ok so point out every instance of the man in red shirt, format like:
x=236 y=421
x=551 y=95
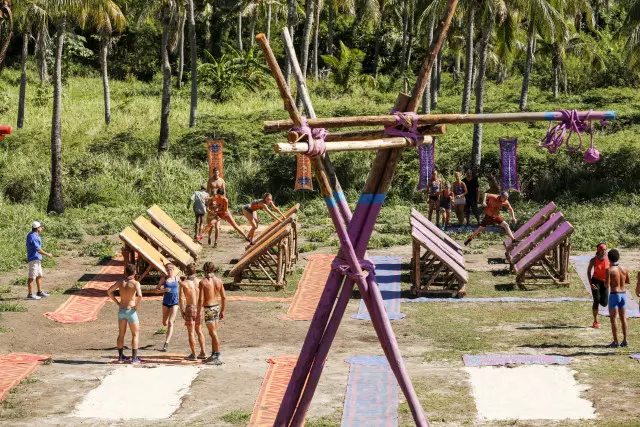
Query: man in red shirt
x=492 y=205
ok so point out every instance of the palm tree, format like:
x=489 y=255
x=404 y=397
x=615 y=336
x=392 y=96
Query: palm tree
x=56 y=202
x=181 y=49
x=543 y=18
x=316 y=26
x=193 y=112
x=346 y=6
x=6 y=29
x=631 y=29
x=105 y=17
x=30 y=16
x=291 y=21
x=306 y=39
x=168 y=13
x=470 y=17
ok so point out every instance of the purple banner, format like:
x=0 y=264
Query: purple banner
x=426 y=154
x=508 y=149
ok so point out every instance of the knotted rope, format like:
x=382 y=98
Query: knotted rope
x=409 y=127
x=340 y=266
x=315 y=138
x=569 y=124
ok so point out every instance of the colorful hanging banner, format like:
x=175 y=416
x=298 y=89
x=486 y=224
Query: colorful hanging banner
x=303 y=174
x=426 y=154
x=508 y=149
x=214 y=156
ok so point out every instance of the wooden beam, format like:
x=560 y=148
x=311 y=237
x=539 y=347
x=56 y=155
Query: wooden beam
x=373 y=144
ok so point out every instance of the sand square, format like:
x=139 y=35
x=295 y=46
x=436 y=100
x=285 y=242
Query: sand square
x=128 y=392
x=531 y=392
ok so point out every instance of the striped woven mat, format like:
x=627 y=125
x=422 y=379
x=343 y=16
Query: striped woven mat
x=310 y=288
x=272 y=391
x=15 y=367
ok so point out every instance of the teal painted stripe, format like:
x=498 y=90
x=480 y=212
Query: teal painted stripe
x=379 y=199
x=550 y=115
x=609 y=115
x=339 y=196
x=330 y=201
x=365 y=199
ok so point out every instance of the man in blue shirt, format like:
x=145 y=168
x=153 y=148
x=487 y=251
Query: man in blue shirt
x=34 y=259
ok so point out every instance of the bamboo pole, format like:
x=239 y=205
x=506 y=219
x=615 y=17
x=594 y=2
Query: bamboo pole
x=359 y=135
x=437 y=119
x=371 y=144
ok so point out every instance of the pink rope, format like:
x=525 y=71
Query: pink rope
x=409 y=123
x=315 y=138
x=561 y=133
x=340 y=266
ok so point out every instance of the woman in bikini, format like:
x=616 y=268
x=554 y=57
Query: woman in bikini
x=170 y=301
x=250 y=212
x=459 y=191
x=433 y=195
x=220 y=211
x=446 y=200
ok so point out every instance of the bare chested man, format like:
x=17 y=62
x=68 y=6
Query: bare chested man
x=215 y=183
x=617 y=280
x=213 y=301
x=130 y=298
x=188 y=300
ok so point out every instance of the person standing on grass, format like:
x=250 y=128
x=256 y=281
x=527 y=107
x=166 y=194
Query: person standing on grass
x=250 y=212
x=460 y=192
x=597 y=274
x=34 y=259
x=617 y=280
x=130 y=299
x=446 y=201
x=199 y=198
x=494 y=186
x=492 y=205
x=212 y=300
x=433 y=196
x=472 y=197
x=188 y=302
x=170 y=300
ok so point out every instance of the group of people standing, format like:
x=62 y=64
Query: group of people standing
x=197 y=300
x=211 y=200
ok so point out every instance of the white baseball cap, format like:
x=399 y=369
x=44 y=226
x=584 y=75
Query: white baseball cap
x=36 y=224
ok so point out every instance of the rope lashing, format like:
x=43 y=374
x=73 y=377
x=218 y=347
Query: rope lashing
x=315 y=138
x=409 y=127
x=340 y=266
x=561 y=133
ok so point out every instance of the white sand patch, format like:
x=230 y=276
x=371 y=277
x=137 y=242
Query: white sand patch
x=528 y=393
x=138 y=393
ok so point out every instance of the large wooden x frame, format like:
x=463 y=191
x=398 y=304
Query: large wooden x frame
x=354 y=232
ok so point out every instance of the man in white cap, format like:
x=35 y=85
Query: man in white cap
x=34 y=258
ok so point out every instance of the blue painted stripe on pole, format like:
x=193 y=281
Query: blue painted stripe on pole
x=365 y=199
x=331 y=202
x=379 y=199
x=550 y=115
x=339 y=196
x=609 y=115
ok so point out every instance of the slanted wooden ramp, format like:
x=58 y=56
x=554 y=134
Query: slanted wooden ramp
x=265 y=263
x=437 y=265
x=290 y=221
x=139 y=251
x=162 y=242
x=166 y=223
x=530 y=226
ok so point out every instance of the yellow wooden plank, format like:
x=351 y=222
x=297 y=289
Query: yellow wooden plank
x=162 y=240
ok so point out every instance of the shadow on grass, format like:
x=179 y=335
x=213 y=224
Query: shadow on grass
x=494 y=261
x=532 y=328
x=558 y=345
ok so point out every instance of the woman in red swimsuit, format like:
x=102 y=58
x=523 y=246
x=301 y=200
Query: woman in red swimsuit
x=218 y=211
x=250 y=212
x=597 y=274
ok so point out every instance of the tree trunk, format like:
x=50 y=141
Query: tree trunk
x=269 y=21
x=409 y=37
x=208 y=38
x=254 y=20
x=181 y=51
x=457 y=67
x=240 y=31
x=291 y=21
x=5 y=43
x=23 y=79
x=376 y=51
x=304 y=48
x=316 y=25
x=104 y=52
x=565 y=83
x=41 y=57
x=556 y=77
x=426 y=96
x=468 y=62
x=193 y=113
x=439 y=71
x=476 y=150
x=527 y=68
x=433 y=84
x=330 y=20
x=56 y=203
x=405 y=27
x=163 y=143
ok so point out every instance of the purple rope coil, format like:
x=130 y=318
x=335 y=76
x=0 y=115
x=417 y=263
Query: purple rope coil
x=340 y=266
x=561 y=133
x=315 y=138
x=409 y=127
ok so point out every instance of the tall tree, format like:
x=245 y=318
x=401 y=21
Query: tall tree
x=316 y=27
x=306 y=39
x=6 y=29
x=291 y=21
x=181 y=25
x=193 y=111
x=56 y=201
x=469 y=56
x=631 y=30
x=240 y=31
x=544 y=18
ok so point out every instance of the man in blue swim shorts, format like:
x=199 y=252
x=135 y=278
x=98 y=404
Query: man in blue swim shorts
x=617 y=280
x=130 y=298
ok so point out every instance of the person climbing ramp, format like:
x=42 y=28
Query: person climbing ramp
x=218 y=210
x=492 y=205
